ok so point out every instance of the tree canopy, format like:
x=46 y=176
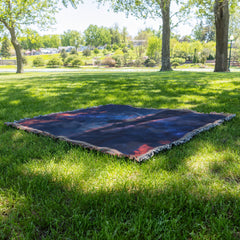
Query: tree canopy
x=145 y=9
x=71 y=38
x=5 y=49
x=17 y=15
x=97 y=36
x=22 y=13
x=220 y=10
x=234 y=25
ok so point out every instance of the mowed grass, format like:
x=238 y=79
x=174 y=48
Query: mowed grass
x=52 y=190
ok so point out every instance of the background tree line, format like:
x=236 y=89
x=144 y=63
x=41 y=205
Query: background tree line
x=17 y=15
x=94 y=36
x=195 y=48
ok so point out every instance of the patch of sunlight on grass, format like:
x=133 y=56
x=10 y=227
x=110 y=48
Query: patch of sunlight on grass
x=226 y=83
x=5 y=207
x=202 y=162
x=110 y=98
x=17 y=136
x=14 y=102
x=199 y=162
x=68 y=173
x=216 y=188
x=145 y=98
x=95 y=178
x=10 y=201
x=156 y=90
x=75 y=174
x=113 y=177
x=139 y=104
x=92 y=103
x=193 y=98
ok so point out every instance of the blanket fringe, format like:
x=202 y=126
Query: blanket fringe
x=185 y=138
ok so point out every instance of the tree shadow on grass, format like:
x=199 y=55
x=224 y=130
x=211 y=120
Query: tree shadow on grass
x=42 y=206
x=66 y=92
x=110 y=198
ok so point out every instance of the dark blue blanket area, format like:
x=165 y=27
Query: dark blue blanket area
x=123 y=130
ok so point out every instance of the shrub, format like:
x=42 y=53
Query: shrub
x=203 y=59
x=63 y=54
x=122 y=45
x=236 y=54
x=118 y=52
x=150 y=62
x=109 y=48
x=54 y=62
x=178 y=60
x=131 y=46
x=175 y=64
x=138 y=62
x=73 y=61
x=195 y=56
x=74 y=51
x=38 y=62
x=109 y=61
x=96 y=50
x=119 y=60
x=115 y=46
x=180 y=54
x=211 y=57
x=125 y=50
x=68 y=60
x=24 y=60
x=130 y=63
x=97 y=62
x=153 y=49
x=86 y=52
x=126 y=59
x=105 y=52
x=195 y=59
x=76 y=62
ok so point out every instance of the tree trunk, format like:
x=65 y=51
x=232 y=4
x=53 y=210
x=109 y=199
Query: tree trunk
x=165 y=8
x=221 y=12
x=17 y=48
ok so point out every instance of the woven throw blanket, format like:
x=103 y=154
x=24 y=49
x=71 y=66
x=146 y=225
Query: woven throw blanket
x=136 y=133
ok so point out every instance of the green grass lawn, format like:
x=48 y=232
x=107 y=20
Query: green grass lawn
x=53 y=190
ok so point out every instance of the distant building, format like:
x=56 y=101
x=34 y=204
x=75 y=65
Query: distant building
x=48 y=50
x=137 y=43
x=102 y=47
x=67 y=48
x=33 y=52
x=82 y=48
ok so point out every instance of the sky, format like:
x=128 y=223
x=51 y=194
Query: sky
x=88 y=13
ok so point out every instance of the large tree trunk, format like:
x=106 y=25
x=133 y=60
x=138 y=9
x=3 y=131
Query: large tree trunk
x=165 y=8
x=221 y=12
x=17 y=48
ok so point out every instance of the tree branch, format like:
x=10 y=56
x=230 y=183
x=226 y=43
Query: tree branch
x=5 y=23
